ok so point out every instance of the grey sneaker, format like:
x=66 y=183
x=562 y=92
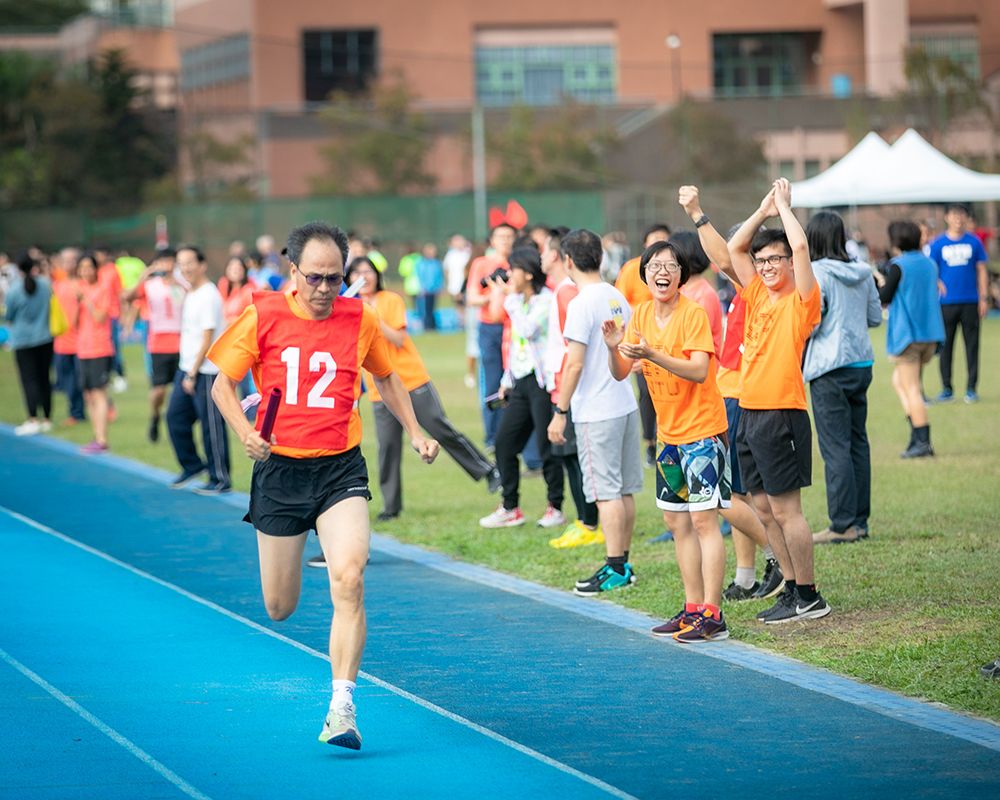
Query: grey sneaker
x=341 y=727
x=830 y=536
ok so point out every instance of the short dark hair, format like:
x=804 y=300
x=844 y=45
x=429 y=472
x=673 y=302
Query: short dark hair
x=904 y=235
x=320 y=231
x=769 y=236
x=528 y=259
x=659 y=227
x=556 y=235
x=958 y=207
x=164 y=252
x=360 y=261
x=688 y=247
x=495 y=228
x=827 y=237
x=658 y=247
x=584 y=247
x=523 y=240
x=198 y=254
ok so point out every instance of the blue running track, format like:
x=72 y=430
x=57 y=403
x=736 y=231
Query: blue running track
x=136 y=661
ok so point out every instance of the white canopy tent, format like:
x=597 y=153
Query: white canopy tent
x=911 y=171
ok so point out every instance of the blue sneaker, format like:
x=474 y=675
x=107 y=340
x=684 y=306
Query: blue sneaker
x=726 y=527
x=946 y=396
x=604 y=580
x=666 y=536
x=971 y=397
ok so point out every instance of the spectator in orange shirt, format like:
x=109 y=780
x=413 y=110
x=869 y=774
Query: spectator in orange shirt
x=774 y=271
x=65 y=360
x=631 y=285
x=108 y=273
x=95 y=349
x=670 y=338
x=237 y=291
x=312 y=345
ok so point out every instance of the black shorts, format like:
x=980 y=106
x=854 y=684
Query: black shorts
x=94 y=372
x=288 y=494
x=775 y=450
x=165 y=366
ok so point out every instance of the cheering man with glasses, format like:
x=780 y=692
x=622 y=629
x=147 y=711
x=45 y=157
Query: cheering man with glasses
x=773 y=269
x=311 y=344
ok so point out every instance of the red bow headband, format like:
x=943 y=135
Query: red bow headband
x=515 y=216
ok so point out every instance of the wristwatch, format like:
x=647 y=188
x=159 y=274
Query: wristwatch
x=702 y=220
x=557 y=410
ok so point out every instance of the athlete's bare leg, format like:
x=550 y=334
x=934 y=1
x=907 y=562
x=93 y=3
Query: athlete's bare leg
x=344 y=534
x=280 y=572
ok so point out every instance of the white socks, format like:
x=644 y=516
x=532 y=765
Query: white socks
x=745 y=577
x=343 y=693
x=768 y=552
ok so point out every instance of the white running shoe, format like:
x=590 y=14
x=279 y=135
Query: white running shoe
x=341 y=727
x=502 y=518
x=30 y=428
x=45 y=426
x=552 y=518
x=119 y=384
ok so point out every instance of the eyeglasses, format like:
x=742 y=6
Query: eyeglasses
x=333 y=280
x=772 y=260
x=662 y=266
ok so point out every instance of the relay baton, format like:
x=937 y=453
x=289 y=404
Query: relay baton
x=270 y=415
x=354 y=288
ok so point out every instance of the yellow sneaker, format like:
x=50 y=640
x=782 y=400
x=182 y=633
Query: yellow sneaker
x=577 y=535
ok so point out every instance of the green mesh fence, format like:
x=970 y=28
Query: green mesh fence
x=395 y=222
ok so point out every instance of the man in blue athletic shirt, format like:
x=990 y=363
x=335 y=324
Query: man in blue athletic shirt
x=961 y=261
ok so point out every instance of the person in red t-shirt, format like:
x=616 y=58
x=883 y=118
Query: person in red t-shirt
x=312 y=344
x=94 y=347
x=162 y=298
x=108 y=274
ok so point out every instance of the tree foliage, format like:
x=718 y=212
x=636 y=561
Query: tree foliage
x=565 y=151
x=704 y=146
x=39 y=13
x=378 y=144
x=939 y=90
x=75 y=139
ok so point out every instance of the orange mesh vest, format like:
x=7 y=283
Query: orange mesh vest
x=315 y=364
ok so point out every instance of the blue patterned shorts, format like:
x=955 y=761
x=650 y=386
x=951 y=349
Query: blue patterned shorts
x=694 y=477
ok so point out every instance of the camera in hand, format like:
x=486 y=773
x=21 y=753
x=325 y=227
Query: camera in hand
x=495 y=402
x=499 y=274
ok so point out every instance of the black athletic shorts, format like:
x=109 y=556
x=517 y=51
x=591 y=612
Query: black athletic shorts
x=288 y=494
x=165 y=366
x=94 y=372
x=775 y=450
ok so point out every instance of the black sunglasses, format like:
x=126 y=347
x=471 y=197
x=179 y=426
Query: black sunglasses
x=334 y=280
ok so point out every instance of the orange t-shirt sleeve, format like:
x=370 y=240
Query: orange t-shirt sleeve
x=236 y=350
x=373 y=349
x=392 y=311
x=698 y=331
x=810 y=310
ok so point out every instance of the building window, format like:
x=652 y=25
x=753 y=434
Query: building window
x=958 y=42
x=222 y=61
x=338 y=60
x=544 y=67
x=762 y=64
x=812 y=168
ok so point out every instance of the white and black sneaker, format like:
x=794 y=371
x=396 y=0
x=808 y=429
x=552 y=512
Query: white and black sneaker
x=799 y=609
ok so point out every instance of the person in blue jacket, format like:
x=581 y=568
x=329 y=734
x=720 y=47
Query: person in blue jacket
x=915 y=328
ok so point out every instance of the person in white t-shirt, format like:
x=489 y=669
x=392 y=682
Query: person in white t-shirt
x=202 y=322
x=605 y=413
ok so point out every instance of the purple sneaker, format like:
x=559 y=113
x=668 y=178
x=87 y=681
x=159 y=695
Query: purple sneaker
x=94 y=448
x=680 y=621
x=706 y=628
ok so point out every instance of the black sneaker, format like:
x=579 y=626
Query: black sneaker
x=991 y=670
x=799 y=609
x=735 y=593
x=385 y=516
x=918 y=450
x=184 y=479
x=772 y=582
x=785 y=599
x=650 y=455
x=154 y=428
x=213 y=487
x=317 y=561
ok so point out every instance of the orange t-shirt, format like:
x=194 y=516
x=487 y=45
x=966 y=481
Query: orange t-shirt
x=108 y=273
x=65 y=291
x=405 y=360
x=774 y=337
x=703 y=294
x=237 y=350
x=686 y=411
x=630 y=284
x=481 y=268
x=93 y=338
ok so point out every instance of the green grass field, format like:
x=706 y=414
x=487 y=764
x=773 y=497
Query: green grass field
x=916 y=607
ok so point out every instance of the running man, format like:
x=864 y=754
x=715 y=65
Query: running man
x=311 y=344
